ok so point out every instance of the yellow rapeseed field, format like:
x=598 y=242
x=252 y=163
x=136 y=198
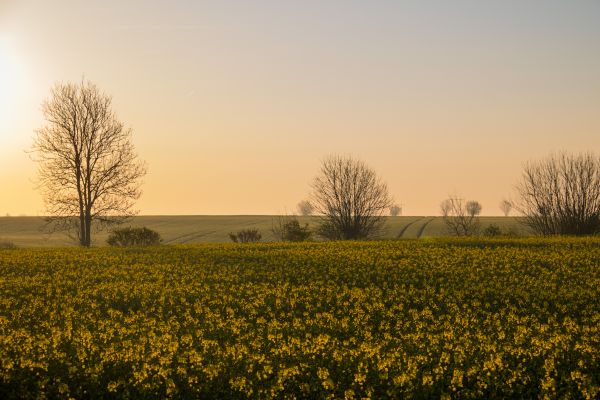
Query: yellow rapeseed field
x=503 y=318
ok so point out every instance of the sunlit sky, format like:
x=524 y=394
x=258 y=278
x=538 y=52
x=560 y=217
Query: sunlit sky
x=233 y=105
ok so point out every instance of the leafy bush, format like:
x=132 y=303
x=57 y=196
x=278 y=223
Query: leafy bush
x=492 y=230
x=125 y=237
x=246 y=236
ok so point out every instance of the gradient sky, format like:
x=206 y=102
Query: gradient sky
x=234 y=104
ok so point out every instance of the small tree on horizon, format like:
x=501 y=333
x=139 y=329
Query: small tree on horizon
x=460 y=217
x=305 y=208
x=506 y=207
x=395 y=210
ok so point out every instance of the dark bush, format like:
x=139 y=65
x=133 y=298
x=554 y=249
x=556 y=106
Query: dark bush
x=125 y=237
x=492 y=230
x=294 y=232
x=288 y=229
x=246 y=236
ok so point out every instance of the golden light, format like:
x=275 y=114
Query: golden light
x=11 y=87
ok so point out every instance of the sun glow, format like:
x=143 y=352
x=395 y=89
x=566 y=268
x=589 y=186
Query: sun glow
x=12 y=84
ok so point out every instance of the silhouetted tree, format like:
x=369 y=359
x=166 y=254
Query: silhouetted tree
x=460 y=217
x=351 y=199
x=88 y=169
x=506 y=207
x=395 y=210
x=561 y=194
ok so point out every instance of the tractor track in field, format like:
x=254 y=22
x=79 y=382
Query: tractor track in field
x=196 y=236
x=188 y=237
x=405 y=227
x=422 y=229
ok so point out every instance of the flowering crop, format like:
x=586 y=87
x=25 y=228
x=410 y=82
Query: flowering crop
x=515 y=318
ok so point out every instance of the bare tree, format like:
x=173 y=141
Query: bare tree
x=460 y=217
x=506 y=207
x=561 y=194
x=351 y=199
x=395 y=210
x=305 y=208
x=88 y=169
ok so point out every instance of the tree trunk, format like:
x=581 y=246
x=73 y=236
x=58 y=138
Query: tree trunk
x=88 y=228
x=82 y=234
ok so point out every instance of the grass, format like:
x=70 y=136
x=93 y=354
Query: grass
x=28 y=231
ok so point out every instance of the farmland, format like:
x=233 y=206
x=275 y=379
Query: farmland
x=441 y=318
x=28 y=231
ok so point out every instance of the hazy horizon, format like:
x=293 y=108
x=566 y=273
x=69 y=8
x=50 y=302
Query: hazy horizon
x=233 y=105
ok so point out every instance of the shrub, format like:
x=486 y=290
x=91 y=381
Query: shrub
x=125 y=237
x=246 y=236
x=492 y=230
x=294 y=232
x=288 y=229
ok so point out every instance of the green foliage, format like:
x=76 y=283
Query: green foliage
x=246 y=236
x=471 y=318
x=126 y=237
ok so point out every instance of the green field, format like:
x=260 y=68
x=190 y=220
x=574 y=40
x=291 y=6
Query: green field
x=29 y=231
x=433 y=318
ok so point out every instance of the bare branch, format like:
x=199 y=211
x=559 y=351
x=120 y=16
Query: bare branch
x=351 y=199
x=88 y=169
x=561 y=194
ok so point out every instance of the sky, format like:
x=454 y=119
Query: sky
x=234 y=104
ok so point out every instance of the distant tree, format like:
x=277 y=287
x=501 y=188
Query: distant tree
x=89 y=171
x=395 y=210
x=351 y=199
x=246 y=236
x=473 y=208
x=506 y=207
x=560 y=195
x=305 y=208
x=460 y=217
